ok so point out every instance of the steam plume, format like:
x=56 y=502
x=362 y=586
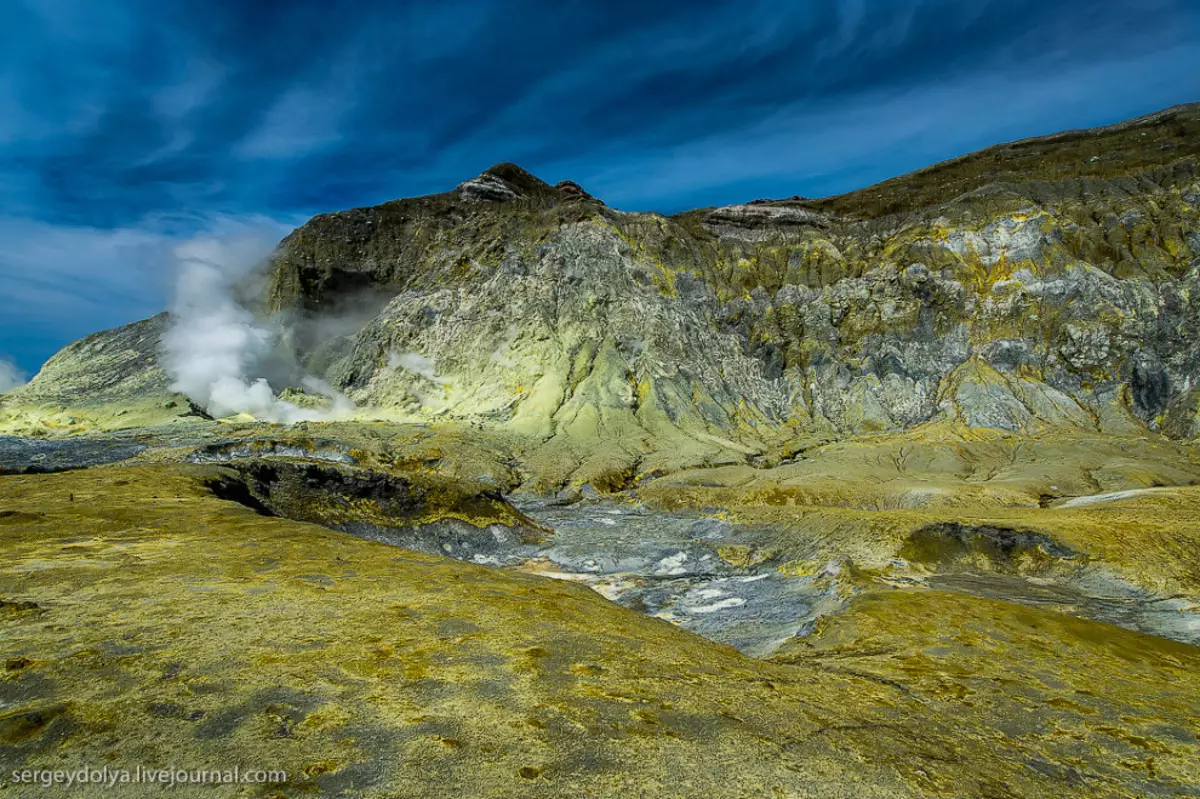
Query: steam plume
x=417 y=364
x=11 y=376
x=216 y=352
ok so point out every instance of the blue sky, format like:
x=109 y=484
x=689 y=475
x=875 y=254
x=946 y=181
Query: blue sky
x=128 y=126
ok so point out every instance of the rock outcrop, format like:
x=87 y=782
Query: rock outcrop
x=1043 y=284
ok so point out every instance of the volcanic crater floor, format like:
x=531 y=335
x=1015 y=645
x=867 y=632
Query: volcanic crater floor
x=289 y=602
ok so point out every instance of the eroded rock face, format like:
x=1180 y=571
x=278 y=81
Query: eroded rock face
x=1042 y=284
x=441 y=519
x=487 y=188
x=572 y=190
x=112 y=365
x=506 y=183
x=1044 y=306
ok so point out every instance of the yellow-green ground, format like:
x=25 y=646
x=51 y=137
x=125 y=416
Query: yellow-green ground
x=146 y=621
x=863 y=499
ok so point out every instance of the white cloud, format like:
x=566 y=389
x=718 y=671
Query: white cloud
x=94 y=271
x=89 y=265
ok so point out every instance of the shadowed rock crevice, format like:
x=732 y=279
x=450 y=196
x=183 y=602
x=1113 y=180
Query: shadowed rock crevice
x=234 y=489
x=439 y=519
x=952 y=544
x=310 y=491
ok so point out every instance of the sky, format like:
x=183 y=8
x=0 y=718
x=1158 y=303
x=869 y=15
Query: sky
x=130 y=127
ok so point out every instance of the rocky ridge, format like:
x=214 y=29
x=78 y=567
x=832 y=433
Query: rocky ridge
x=1040 y=285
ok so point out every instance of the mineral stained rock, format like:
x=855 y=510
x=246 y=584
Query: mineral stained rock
x=1045 y=284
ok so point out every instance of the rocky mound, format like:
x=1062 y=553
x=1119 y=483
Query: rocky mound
x=1041 y=285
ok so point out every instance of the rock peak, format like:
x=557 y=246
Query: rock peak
x=504 y=182
x=572 y=190
x=507 y=182
x=511 y=173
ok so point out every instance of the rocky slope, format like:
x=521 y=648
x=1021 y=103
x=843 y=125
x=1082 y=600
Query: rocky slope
x=1044 y=284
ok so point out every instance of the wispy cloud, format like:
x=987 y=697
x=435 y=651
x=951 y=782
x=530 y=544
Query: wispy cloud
x=301 y=121
x=859 y=140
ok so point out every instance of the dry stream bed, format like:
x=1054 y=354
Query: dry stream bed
x=731 y=583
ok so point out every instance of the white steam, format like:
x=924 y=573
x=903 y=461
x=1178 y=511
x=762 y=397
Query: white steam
x=11 y=376
x=417 y=364
x=215 y=350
